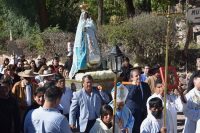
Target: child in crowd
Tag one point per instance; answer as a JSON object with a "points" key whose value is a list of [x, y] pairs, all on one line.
{"points": [[154, 121], [173, 104], [104, 123], [38, 100]]}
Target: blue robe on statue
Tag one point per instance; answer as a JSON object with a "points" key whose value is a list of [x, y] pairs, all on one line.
{"points": [[86, 50]]}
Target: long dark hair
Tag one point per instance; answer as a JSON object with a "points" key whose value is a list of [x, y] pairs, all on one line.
{"points": [[4, 64], [105, 110]]}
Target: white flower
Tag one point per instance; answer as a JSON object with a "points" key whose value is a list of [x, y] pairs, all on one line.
{"points": [[97, 75]]}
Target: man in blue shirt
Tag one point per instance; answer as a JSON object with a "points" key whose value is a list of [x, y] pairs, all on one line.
{"points": [[47, 118], [145, 74]]}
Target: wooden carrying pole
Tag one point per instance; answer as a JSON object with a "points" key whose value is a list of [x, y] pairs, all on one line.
{"points": [[115, 101]]}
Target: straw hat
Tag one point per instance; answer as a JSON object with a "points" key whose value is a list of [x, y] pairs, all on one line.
{"points": [[27, 73], [39, 57], [27, 66], [70, 54], [47, 73], [136, 65]]}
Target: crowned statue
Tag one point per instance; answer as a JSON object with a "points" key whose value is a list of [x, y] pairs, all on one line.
{"points": [[86, 50]]}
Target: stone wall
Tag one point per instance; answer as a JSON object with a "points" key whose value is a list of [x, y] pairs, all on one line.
{"points": [[181, 28]]}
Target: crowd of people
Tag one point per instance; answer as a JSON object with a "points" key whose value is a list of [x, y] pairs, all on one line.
{"points": [[35, 98]]}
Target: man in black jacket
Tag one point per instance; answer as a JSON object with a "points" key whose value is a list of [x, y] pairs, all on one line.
{"points": [[137, 97]]}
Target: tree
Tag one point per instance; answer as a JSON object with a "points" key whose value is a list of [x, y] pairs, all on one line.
{"points": [[143, 5], [129, 8], [143, 37], [43, 14], [189, 38], [100, 12]]}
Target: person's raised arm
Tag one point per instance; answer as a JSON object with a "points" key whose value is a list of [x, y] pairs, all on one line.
{"points": [[103, 95]]}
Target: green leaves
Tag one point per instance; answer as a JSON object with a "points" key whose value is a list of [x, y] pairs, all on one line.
{"points": [[161, 5], [143, 36]]}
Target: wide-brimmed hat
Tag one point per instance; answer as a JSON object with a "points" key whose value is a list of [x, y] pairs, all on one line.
{"points": [[39, 57], [154, 69], [27, 66], [47, 73], [136, 65], [69, 54], [27, 73]]}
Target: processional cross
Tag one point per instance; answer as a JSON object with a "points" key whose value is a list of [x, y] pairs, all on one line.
{"points": [[169, 15]]}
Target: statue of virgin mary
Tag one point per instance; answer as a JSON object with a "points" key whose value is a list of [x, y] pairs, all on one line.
{"points": [[86, 52]]}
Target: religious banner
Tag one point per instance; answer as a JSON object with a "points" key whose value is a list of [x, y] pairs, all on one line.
{"points": [[172, 78]]}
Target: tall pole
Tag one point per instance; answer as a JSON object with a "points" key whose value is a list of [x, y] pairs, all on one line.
{"points": [[11, 38], [166, 62], [168, 14], [115, 101], [13, 52]]}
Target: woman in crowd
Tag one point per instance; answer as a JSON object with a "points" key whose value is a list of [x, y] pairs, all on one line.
{"points": [[4, 66], [33, 66], [62, 71]]}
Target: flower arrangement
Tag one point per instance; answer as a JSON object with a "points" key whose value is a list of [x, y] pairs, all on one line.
{"points": [[97, 75]]}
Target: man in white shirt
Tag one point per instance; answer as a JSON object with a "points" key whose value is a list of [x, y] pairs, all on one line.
{"points": [[47, 119], [192, 109], [153, 123]]}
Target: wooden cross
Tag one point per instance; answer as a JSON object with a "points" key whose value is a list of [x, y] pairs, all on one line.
{"points": [[169, 15]]}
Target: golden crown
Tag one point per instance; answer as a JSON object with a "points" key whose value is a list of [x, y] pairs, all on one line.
{"points": [[84, 6]]}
